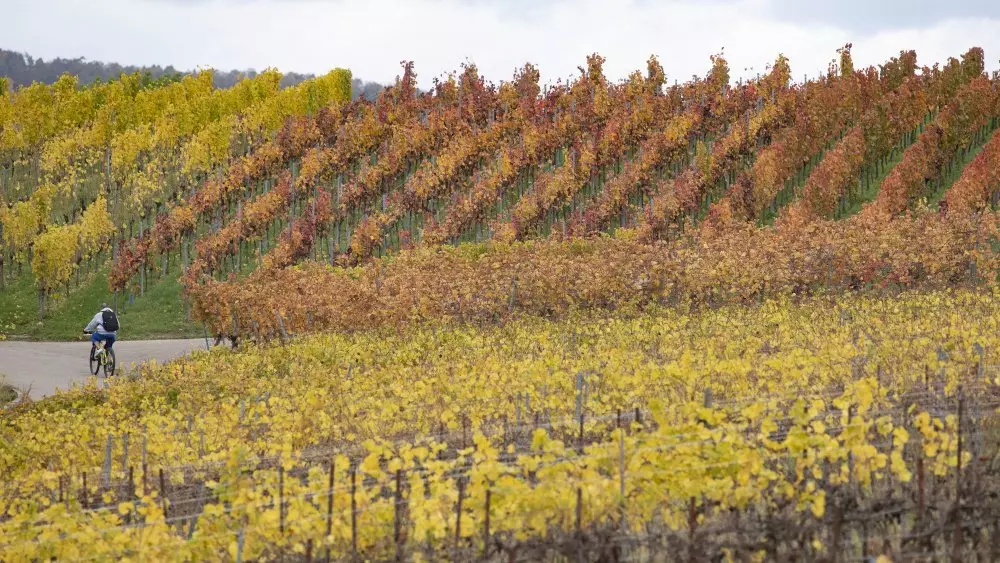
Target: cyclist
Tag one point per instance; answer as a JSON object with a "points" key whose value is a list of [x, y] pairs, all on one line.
{"points": [[102, 328]]}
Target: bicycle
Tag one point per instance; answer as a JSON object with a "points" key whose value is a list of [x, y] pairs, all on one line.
{"points": [[102, 358]]}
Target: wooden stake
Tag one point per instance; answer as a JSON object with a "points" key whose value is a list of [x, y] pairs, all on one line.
{"points": [[124, 451], [579, 524], [579, 512], [838, 521], [398, 516], [956, 545], [486, 525], [329, 506], [107, 462], [281, 499], [354, 514], [240, 539], [465, 431], [458, 512], [163, 493], [692, 528]]}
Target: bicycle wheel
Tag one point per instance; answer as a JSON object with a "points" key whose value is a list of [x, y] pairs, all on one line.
{"points": [[109, 363], [95, 362]]}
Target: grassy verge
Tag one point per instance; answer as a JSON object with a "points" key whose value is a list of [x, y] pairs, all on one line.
{"points": [[794, 185], [957, 166], [7, 394], [869, 184], [160, 313], [869, 190]]}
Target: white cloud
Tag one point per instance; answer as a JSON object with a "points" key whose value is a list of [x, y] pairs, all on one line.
{"points": [[372, 36]]}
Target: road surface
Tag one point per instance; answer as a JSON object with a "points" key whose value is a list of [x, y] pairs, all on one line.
{"points": [[44, 367]]}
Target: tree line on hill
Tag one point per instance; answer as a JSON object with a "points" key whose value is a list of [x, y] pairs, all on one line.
{"points": [[22, 69]]}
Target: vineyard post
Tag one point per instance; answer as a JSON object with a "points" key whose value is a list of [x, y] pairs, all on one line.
{"points": [[142, 272], [504, 439], [465, 429], [281, 325], [579, 407], [579, 523], [129, 494], [83, 491], [232, 312], [354, 514], [458, 511], [281, 499], [956, 546], [398, 516], [486, 524], [131, 485], [204, 328], [194, 519], [621, 473], [850, 455], [838, 522], [864, 539], [106, 475], [124, 451], [240, 539], [979, 363], [517, 412], [309, 550], [329, 506], [163, 493], [692, 528], [336, 242], [920, 486]]}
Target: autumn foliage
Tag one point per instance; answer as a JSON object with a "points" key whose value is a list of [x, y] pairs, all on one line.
{"points": [[492, 281]]}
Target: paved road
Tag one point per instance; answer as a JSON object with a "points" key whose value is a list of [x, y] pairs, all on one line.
{"points": [[45, 366]]}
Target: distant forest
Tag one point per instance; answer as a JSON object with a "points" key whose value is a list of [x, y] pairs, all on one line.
{"points": [[23, 69]]}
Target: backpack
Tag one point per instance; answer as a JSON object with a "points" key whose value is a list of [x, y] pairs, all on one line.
{"points": [[110, 321]]}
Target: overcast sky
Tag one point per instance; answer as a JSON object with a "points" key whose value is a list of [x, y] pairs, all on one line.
{"points": [[371, 37]]}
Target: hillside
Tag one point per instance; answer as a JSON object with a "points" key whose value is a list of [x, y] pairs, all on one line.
{"points": [[475, 162], [82, 167], [743, 169]]}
